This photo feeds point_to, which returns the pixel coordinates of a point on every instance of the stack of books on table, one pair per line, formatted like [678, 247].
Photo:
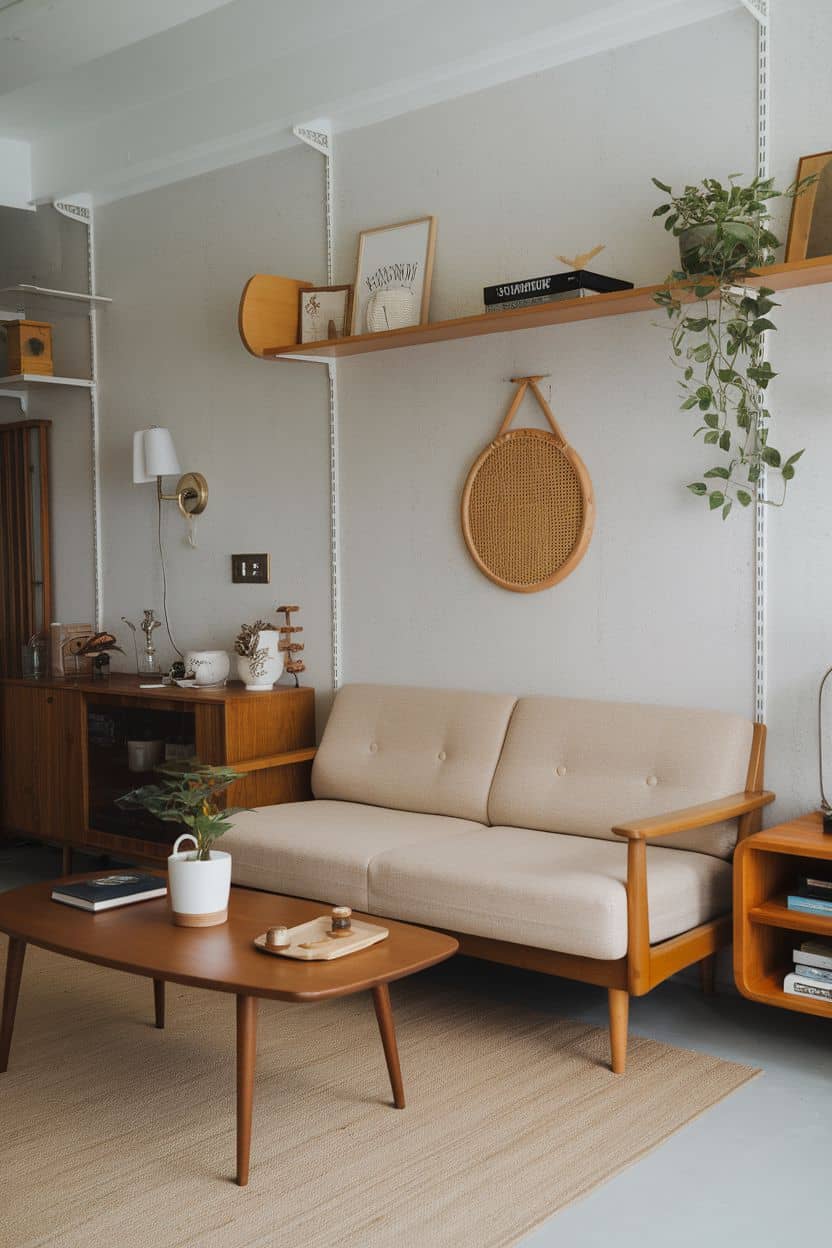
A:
[812, 974]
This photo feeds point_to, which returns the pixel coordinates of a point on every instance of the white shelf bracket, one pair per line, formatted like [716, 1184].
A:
[318, 135]
[21, 396]
[79, 208]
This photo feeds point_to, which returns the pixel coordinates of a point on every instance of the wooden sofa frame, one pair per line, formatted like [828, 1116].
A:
[644, 965]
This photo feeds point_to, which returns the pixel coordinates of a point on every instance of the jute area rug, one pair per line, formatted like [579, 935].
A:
[114, 1133]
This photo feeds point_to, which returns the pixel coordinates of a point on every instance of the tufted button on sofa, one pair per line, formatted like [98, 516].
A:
[586, 839]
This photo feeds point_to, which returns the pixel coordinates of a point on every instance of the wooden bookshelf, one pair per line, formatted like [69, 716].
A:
[269, 314]
[766, 865]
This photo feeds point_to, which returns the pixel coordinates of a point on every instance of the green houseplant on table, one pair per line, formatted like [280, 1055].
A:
[199, 879]
[724, 239]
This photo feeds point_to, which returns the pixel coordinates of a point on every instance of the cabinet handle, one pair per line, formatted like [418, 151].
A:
[50, 699]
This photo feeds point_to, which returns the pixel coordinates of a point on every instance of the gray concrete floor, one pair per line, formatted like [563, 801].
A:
[751, 1171]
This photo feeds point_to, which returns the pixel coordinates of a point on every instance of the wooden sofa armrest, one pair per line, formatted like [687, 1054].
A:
[692, 817]
[638, 832]
[277, 760]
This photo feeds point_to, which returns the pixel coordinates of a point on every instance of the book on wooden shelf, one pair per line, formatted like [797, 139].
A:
[814, 953]
[798, 986]
[108, 891]
[810, 901]
[813, 972]
[823, 887]
[549, 289]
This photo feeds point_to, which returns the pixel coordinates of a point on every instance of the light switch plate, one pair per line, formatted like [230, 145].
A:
[250, 569]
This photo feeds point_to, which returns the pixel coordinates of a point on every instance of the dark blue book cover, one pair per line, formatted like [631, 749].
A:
[105, 892]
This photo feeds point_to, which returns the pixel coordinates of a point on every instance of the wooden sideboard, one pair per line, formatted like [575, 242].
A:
[63, 755]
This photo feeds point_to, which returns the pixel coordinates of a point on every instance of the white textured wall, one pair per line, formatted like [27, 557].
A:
[175, 262]
[661, 607]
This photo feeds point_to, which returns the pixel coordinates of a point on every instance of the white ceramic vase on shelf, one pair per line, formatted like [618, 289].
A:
[198, 890]
[392, 309]
[265, 666]
[210, 667]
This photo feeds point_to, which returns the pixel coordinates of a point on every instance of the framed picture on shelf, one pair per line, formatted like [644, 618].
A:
[810, 228]
[393, 274]
[324, 312]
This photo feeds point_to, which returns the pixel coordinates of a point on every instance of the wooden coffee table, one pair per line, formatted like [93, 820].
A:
[141, 940]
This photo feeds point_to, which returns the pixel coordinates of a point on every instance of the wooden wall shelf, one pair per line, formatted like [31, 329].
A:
[269, 313]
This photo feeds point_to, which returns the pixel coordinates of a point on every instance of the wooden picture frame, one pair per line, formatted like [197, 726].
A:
[810, 226]
[335, 310]
[410, 246]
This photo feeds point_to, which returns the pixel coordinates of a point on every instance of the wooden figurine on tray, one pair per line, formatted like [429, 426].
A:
[289, 647]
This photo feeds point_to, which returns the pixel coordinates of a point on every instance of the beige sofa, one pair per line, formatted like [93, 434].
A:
[522, 825]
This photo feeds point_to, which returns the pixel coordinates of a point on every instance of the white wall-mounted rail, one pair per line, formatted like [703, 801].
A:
[318, 135]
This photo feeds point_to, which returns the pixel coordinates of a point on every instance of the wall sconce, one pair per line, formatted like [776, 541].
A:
[154, 457]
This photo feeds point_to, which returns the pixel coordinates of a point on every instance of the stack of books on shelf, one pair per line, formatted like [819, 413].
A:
[812, 974]
[550, 288]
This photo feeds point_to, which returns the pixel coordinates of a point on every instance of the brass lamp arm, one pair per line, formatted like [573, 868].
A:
[191, 495]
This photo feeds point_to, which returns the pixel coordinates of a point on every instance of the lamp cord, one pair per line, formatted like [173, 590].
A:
[165, 579]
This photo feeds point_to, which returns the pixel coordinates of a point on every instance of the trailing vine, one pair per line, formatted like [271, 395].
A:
[719, 346]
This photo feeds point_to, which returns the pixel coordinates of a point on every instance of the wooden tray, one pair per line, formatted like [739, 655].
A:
[361, 936]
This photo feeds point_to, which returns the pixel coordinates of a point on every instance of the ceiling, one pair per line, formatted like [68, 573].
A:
[112, 97]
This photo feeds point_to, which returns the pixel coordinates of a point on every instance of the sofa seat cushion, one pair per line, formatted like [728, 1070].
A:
[322, 850]
[551, 891]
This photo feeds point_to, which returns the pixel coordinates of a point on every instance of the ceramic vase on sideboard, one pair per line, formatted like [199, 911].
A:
[264, 667]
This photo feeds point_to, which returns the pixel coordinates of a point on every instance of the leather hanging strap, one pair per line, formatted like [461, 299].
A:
[523, 385]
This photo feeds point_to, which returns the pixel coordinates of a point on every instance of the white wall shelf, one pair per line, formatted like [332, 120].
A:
[23, 381]
[75, 296]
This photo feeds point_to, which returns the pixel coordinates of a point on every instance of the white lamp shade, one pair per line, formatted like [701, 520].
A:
[154, 455]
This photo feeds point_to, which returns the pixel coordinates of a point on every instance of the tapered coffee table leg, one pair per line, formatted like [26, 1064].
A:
[159, 1002]
[246, 1058]
[384, 1014]
[14, 969]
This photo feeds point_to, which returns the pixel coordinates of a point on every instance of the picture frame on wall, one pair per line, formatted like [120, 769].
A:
[324, 312]
[810, 227]
[393, 276]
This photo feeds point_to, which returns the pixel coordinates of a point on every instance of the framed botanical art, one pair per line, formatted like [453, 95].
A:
[393, 273]
[323, 312]
[810, 228]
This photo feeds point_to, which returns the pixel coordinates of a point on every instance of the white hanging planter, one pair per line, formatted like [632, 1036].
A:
[198, 890]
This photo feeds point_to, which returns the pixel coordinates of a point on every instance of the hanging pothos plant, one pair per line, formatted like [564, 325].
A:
[724, 238]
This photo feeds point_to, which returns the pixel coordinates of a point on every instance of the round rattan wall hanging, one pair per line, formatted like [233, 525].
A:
[527, 506]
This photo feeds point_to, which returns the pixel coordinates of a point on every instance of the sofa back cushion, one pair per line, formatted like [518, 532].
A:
[426, 750]
[579, 767]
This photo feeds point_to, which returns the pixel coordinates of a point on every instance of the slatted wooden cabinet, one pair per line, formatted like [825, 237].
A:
[64, 755]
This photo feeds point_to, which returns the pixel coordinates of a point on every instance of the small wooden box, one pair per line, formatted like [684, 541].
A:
[29, 347]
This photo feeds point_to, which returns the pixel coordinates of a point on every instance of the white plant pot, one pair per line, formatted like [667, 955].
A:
[210, 667]
[392, 309]
[198, 891]
[266, 667]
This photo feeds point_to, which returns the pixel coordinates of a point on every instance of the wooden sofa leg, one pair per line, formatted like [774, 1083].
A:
[619, 1000]
[707, 971]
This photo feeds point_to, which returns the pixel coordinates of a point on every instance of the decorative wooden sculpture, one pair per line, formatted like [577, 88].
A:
[527, 506]
[582, 259]
[287, 645]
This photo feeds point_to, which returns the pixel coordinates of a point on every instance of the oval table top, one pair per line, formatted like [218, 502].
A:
[142, 940]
